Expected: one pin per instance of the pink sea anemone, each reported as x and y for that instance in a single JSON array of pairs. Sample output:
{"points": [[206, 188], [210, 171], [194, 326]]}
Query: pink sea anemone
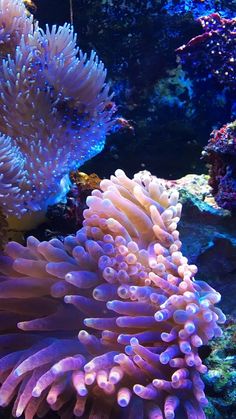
{"points": [[111, 320]]}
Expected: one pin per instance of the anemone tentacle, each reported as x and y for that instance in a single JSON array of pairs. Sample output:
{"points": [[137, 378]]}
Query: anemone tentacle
{"points": [[113, 311], [55, 105]]}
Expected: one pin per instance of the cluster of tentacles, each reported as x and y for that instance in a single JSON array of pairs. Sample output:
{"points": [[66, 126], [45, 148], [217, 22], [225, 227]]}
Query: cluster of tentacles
{"points": [[56, 109], [110, 321]]}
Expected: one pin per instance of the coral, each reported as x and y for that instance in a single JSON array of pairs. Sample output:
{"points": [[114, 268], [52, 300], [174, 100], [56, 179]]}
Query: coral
{"points": [[175, 90], [174, 7], [199, 7], [212, 54], [124, 285], [192, 185], [220, 154], [85, 182], [221, 377], [53, 105]]}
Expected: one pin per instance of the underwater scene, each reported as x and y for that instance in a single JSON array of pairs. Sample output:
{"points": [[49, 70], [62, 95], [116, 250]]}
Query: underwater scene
{"points": [[118, 209]]}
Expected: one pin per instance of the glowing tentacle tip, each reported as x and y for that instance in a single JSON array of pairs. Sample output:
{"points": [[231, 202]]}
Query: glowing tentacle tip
{"points": [[124, 396]]}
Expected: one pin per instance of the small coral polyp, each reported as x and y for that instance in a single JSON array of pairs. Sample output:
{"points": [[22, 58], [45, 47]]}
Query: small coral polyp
{"points": [[53, 101], [110, 319]]}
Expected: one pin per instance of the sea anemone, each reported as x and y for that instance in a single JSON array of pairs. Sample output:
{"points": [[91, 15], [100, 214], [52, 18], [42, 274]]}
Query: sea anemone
{"points": [[111, 318], [12, 175], [54, 103], [14, 25]]}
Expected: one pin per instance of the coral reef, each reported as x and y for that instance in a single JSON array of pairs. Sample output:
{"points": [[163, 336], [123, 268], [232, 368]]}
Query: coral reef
{"points": [[200, 7], [212, 54], [54, 113], [149, 87], [174, 90], [191, 185], [220, 154], [220, 380], [124, 285]]}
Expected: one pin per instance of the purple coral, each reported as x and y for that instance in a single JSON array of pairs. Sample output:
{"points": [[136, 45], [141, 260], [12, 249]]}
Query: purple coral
{"points": [[220, 154], [212, 54], [54, 105], [122, 285]]}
